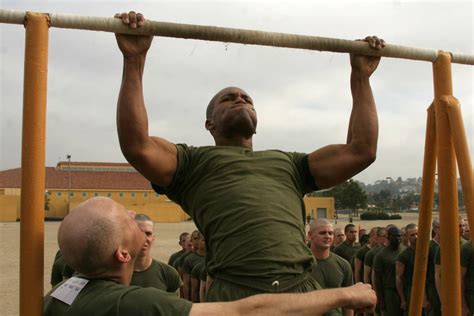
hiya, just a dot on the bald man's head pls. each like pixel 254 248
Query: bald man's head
pixel 91 234
pixel 318 223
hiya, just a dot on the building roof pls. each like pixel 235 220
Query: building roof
pixel 102 178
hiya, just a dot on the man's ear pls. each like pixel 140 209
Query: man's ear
pixel 209 125
pixel 122 255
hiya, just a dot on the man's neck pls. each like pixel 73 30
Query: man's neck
pixel 319 253
pixel 142 263
pixel 237 141
pixel 350 243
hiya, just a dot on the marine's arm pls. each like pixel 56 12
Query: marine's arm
pixel 358 297
pixel 358 266
pixel 399 275
pixel 367 274
pixel 153 157
pixel 438 279
pixel 333 164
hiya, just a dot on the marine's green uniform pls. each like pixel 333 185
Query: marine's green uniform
pixel 384 265
pixel 249 206
pixel 158 275
pixel 431 292
pixel 57 269
pixel 178 263
pixel 191 261
pixel 407 257
pixel 174 256
pixel 369 257
pixel 197 270
pixel 333 272
pixel 467 261
pixel 347 251
pixel 108 298
pixel 360 254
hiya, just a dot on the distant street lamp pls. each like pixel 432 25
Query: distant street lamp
pixel 69 183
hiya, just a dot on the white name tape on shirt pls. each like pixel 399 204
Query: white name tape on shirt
pixel 68 291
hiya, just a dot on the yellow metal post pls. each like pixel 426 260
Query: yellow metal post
pixel 462 155
pixel 424 220
pixel 448 193
pixel 33 165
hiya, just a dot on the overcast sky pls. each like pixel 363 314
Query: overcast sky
pixel 302 97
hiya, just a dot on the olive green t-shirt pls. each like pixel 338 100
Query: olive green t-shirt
pixel 347 251
pixel 437 259
pixel 178 263
pixel 407 257
pixel 191 261
pixel 197 269
pixel 158 275
pixel 369 257
pixel 360 254
pixel 57 269
pixel 249 206
pixel 108 298
pixel 384 263
pixel 203 273
pixel 333 272
pixel 467 261
pixel 174 256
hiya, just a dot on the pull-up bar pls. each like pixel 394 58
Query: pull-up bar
pixel 233 35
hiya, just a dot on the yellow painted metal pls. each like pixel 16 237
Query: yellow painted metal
pixel 447 188
pixel 424 220
pixel 33 165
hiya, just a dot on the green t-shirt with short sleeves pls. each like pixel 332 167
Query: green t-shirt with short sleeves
pixel 249 206
pixel 203 273
pixel 196 271
pixel 360 254
pixel 158 275
pixel 467 261
pixel 384 263
pixel 178 263
pixel 347 251
pixel 108 298
pixel 57 269
pixel 333 272
pixel 437 259
pixel 369 257
pixel 174 256
pixel 407 257
pixel 191 261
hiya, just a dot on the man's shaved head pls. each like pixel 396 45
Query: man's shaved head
pixel 92 232
pixel 318 223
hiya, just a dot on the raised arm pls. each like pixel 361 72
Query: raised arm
pixel 334 164
pixel 154 157
pixel 358 297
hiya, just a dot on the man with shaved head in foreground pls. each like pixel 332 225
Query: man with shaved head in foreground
pixel 101 241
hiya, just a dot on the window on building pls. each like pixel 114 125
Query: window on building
pixel 109 194
pixel 157 195
pixel 145 194
pixel 84 194
pixel 71 194
pixel 121 194
pixel 132 194
pixel 59 193
pixel 96 193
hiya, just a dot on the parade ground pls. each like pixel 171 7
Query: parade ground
pixel 166 243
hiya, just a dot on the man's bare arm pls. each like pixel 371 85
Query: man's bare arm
pixel 367 274
pixel 358 266
pixel 333 164
pixel 399 282
pixel 358 297
pixel 153 157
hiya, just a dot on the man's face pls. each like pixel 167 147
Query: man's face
pixel 382 238
pixel 202 244
pixel 412 235
pixel 339 237
pixel 467 232
pixel 394 238
pixel 436 229
pixel 147 229
pixel 182 240
pixel 134 235
pixel 195 241
pixel 351 234
pixel 188 246
pixel 234 114
pixel 462 225
pixel 322 237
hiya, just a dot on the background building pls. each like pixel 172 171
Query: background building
pixel 70 183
